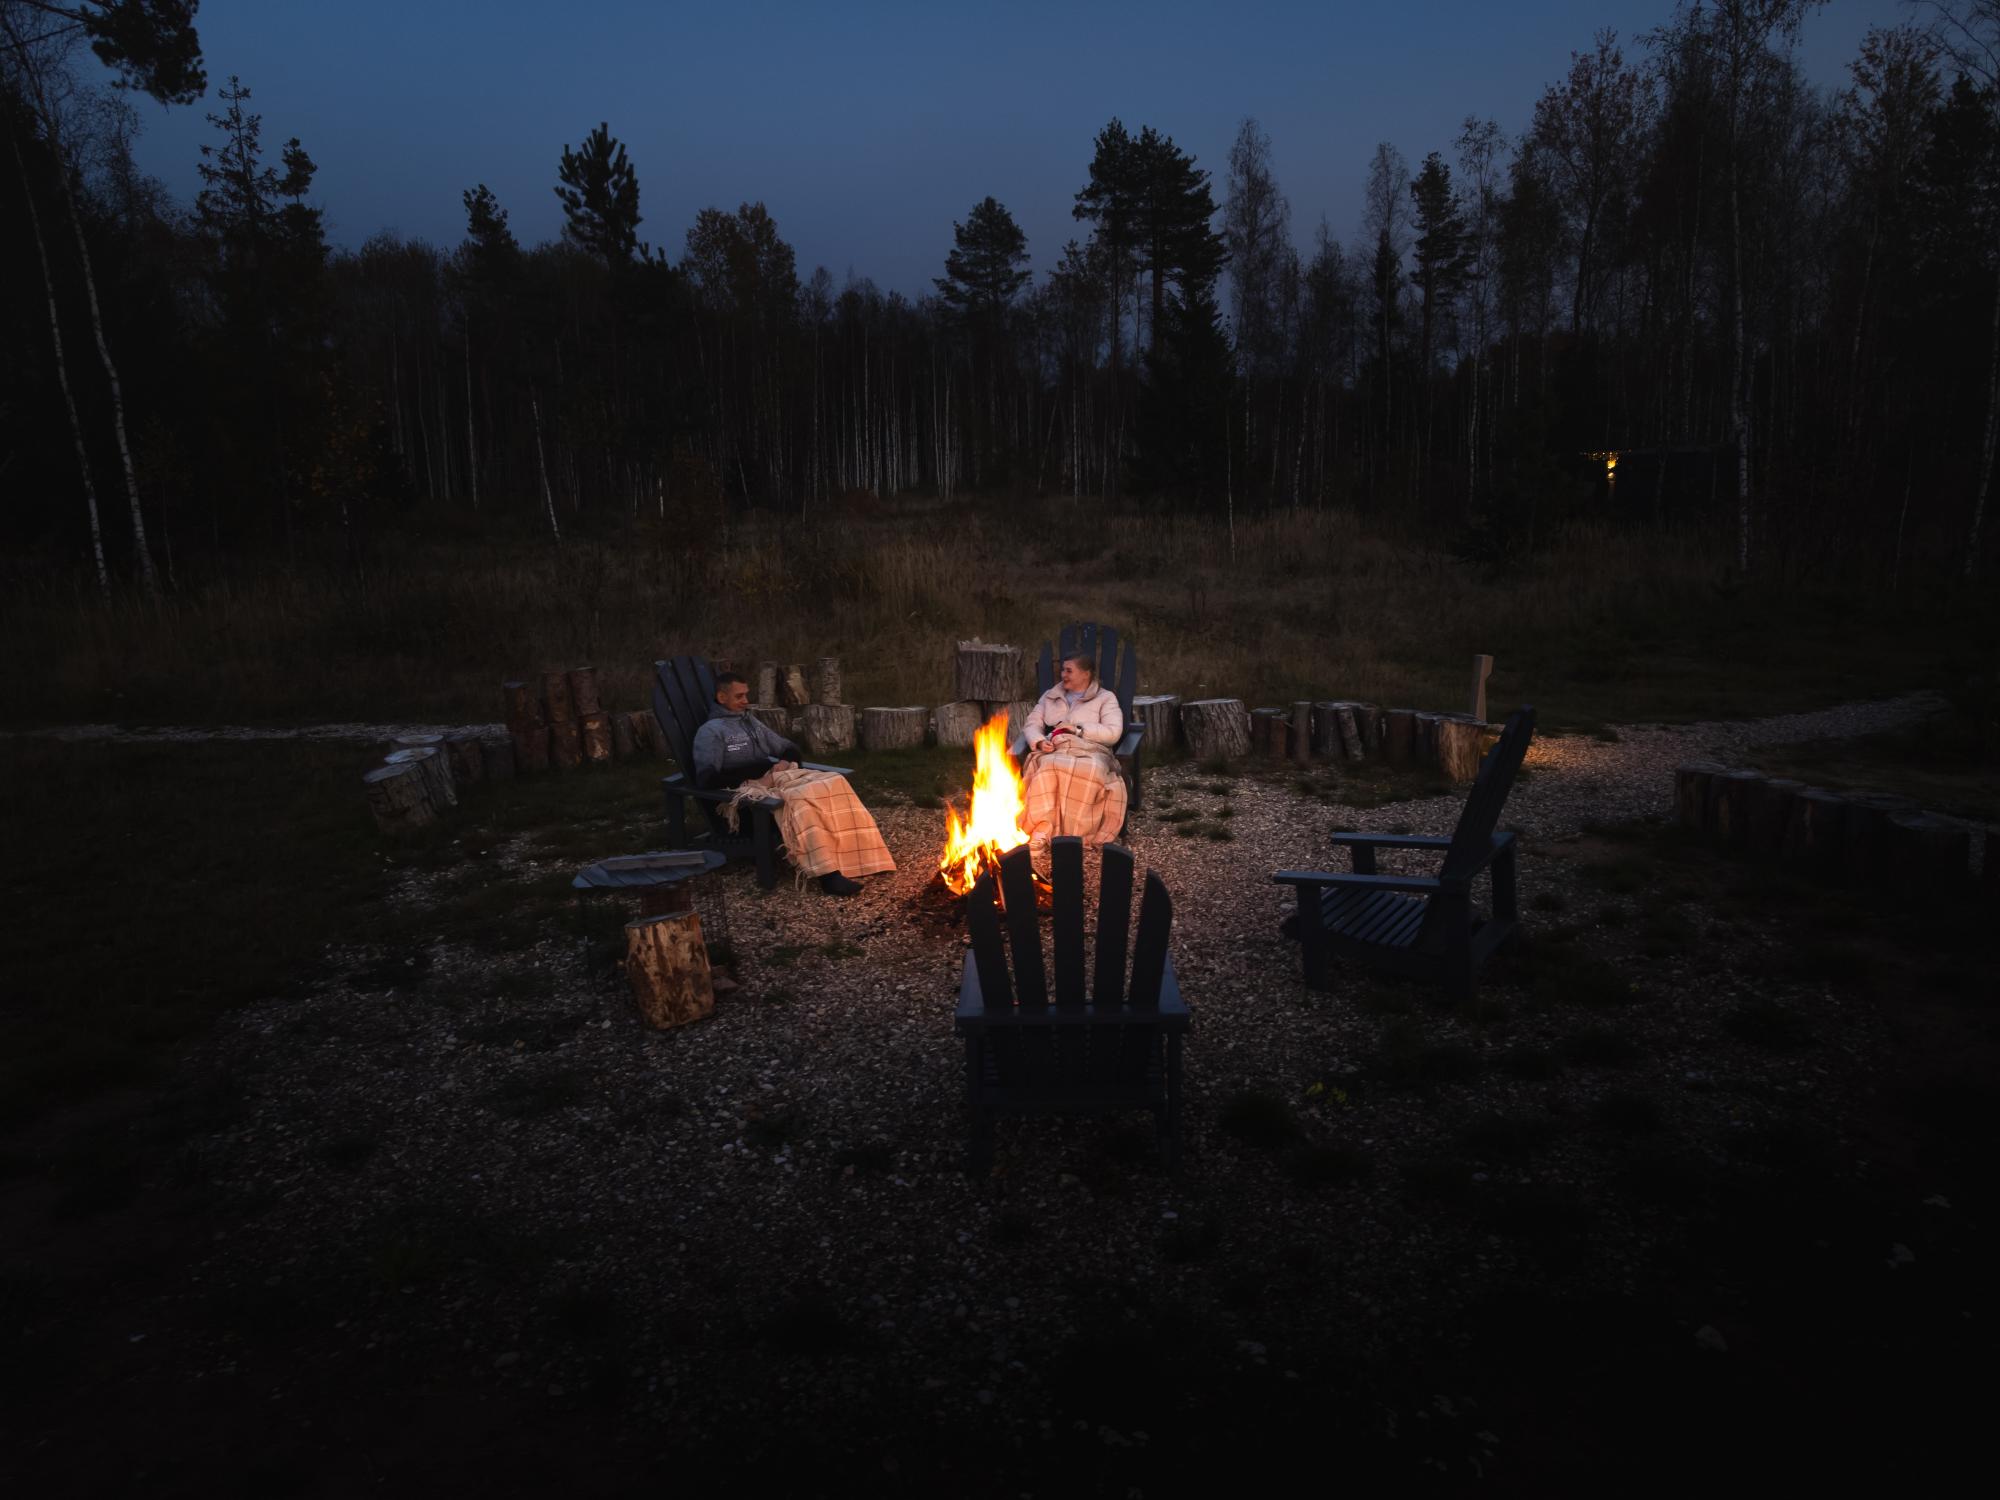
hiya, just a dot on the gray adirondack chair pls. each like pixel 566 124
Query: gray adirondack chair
pixel 1424 926
pixel 1096 1044
pixel 1118 675
pixel 683 690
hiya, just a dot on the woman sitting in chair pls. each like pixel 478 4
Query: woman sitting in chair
pixel 1072 783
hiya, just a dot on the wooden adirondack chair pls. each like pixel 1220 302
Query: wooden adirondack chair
pixel 1120 677
pixel 1421 925
pixel 683 692
pixel 1095 1047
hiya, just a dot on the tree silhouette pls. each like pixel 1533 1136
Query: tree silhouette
pixel 600 197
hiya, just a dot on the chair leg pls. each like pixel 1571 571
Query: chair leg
pixel 1173 1142
pixel 1137 778
pixel 1312 937
pixel 676 820
pixel 761 838
pixel 1505 900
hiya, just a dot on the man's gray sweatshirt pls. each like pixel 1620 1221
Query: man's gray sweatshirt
pixel 731 748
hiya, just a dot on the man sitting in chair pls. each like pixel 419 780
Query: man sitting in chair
pixel 827 832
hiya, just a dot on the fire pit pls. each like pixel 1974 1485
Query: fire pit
pixel 992 823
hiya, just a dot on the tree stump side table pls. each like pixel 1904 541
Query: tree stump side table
pixel 668 882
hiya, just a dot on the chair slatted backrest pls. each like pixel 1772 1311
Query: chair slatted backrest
pixel 1019 930
pixel 1100 644
pixel 1497 770
pixel 683 690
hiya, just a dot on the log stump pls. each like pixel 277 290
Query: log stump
pixel 1350 731
pixel 1770 815
pixel 1326 730
pixel 893 728
pixel 1691 792
pixel 1866 848
pixel 647 722
pixel 523 703
pixel 1368 720
pixel 958 722
pixel 1299 732
pixel 399 796
pixel 1458 737
pixel 1927 855
pixel 1161 714
pixel 1399 735
pixel 767 682
pixel 435 769
pixel 792 687
pixel 826 681
pixel 667 967
pixel 1016 710
pixel 583 692
pixel 565 744
pixel 1426 748
pixel 992 674
pixel 1815 832
pixel 777 720
pixel 1267 731
pixel 1216 729
pixel 558 704
pixel 1732 798
pixel 623 746
pixel 531 747
pixel 596 731
pixel 826 728
pixel 497 756
pixel 468 762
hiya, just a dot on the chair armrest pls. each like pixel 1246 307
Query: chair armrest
pixel 677 785
pixel 806 765
pixel 1391 841
pixel 1129 743
pixel 1417 884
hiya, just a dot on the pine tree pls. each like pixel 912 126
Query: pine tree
pixel 599 192
pixel 1440 250
pixel 983 272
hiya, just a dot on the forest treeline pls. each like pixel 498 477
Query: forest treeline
pixel 1778 305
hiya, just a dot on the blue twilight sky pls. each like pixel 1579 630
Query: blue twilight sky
pixel 868 128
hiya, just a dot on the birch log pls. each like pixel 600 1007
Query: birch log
pixel 792 687
pixel 826 680
pixel 1216 728
pixel 667 967
pixel 827 728
pixel 1161 714
pixel 992 674
pixel 432 765
pixel 583 692
pixel 399 797
pixel 893 728
pixel 767 682
pixel 958 722
pixel 1350 731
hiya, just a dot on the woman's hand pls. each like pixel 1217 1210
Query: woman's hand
pixel 1045 746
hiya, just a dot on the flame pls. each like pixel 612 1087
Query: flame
pixel 992 823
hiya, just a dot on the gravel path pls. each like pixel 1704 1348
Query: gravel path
pixel 457 1139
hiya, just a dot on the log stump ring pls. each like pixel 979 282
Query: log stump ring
pixel 667 966
pixel 893 728
pixel 989 673
pixel 958 722
pixel 1216 729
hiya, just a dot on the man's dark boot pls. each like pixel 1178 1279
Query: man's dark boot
pixel 838 884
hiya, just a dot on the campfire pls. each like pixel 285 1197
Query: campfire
pixel 992 823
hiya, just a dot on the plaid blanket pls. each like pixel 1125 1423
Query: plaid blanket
pixel 824 825
pixel 1073 794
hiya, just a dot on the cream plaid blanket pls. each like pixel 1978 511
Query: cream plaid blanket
pixel 824 825
pixel 1073 794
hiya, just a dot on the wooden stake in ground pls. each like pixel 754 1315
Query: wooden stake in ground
pixel 667 967
pixel 1299 733
pixel 583 691
pixel 1216 728
pixel 992 674
pixel 399 796
pixel 893 728
pixel 1350 731
pixel 1161 714
pixel 792 687
pixel 1482 668
pixel 597 738
pixel 958 722
pixel 767 682
pixel 826 680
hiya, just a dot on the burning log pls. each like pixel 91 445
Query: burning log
pixel 1016 710
pixel 1216 728
pixel 667 967
pixel 992 822
pixel 596 728
pixel 893 728
pixel 399 796
pixel 958 722
pixel 991 674
pixel 826 680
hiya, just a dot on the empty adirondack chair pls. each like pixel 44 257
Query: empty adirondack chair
pixel 1090 1043
pixel 683 692
pixel 1118 676
pixel 1424 926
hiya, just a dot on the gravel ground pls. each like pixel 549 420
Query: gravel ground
pixel 491 1158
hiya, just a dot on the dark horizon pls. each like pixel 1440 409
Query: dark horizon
pixel 867 144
